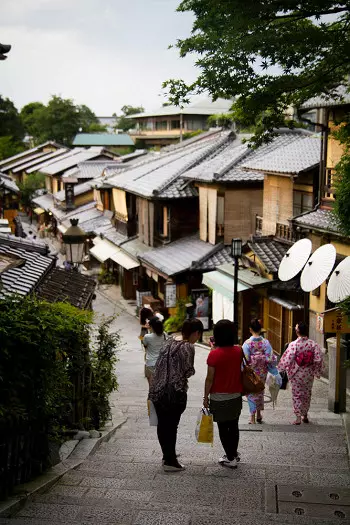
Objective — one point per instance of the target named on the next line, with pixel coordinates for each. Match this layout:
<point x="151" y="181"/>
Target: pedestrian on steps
<point x="259" y="355"/>
<point x="224" y="386"/>
<point x="168" y="389"/>
<point x="303" y="361"/>
<point x="153" y="343"/>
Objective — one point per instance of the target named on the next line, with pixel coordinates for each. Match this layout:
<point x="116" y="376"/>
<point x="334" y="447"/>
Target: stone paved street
<point x="122" y="483"/>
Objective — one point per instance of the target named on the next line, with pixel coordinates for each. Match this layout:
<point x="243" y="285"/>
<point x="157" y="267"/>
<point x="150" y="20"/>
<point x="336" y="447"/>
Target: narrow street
<point x="287" y="474"/>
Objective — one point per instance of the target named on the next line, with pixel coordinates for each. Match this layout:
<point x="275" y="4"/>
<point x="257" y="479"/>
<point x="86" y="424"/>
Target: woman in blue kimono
<point x="259" y="355"/>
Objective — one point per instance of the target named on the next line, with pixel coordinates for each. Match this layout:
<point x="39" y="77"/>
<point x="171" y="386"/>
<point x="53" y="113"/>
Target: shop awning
<point x="39" y="211"/>
<point x="103" y="250"/>
<point x="222" y="283"/>
<point x="124" y="260"/>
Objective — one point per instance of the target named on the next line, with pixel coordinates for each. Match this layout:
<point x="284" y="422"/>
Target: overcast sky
<point x="102" y="53"/>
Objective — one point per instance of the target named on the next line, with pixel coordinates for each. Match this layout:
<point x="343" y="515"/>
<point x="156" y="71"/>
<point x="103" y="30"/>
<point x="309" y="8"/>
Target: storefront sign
<point x="69" y="191"/>
<point x="336" y="321"/>
<point x="319" y="323"/>
<point x="170" y="295"/>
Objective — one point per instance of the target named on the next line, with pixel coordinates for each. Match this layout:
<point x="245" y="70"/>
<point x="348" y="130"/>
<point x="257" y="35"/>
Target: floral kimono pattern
<point x="302" y="361"/>
<point x="259" y="355"/>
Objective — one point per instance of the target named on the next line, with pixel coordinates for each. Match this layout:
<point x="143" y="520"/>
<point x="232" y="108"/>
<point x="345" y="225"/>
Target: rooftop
<point x="103" y="139"/>
<point x="202" y="107"/>
<point x="79" y="189"/>
<point x="339" y="97"/>
<point x="319" y="219"/>
<point x="73" y="158"/>
<point x="26" y="153"/>
<point x="269" y="251"/>
<point x="300" y="155"/>
<point x="8" y="183"/>
<point x="67" y="286"/>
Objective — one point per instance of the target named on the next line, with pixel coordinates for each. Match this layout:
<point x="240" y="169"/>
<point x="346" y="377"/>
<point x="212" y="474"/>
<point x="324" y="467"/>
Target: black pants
<point x="229" y="437"/>
<point x="168" y="421"/>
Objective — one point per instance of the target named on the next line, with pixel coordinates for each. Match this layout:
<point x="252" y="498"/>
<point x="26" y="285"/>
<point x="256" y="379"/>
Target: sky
<point x="102" y="53"/>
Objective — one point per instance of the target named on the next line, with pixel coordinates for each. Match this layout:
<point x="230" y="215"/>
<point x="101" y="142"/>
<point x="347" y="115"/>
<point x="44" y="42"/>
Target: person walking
<point x="259" y="355"/>
<point x="303" y="361"/>
<point x="168" y="389"/>
<point x="223" y="388"/>
<point x="146" y="313"/>
<point x="153" y="343"/>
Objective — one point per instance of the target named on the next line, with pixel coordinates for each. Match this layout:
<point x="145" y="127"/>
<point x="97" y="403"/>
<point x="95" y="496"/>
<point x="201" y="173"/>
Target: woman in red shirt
<point x="224" y="386"/>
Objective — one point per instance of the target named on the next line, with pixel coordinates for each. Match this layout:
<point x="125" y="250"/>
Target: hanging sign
<point x="170" y="295"/>
<point x="336" y="321"/>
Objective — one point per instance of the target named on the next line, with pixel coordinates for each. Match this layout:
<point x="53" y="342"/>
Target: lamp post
<point x="236" y="252"/>
<point x="74" y="239"/>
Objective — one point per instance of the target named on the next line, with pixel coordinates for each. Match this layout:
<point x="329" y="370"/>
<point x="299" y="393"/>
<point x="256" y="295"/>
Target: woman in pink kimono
<point x="259" y="355"/>
<point x="303" y="362"/>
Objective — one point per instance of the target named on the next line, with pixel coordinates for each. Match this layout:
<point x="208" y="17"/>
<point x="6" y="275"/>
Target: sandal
<point x="305" y="420"/>
<point x="259" y="420"/>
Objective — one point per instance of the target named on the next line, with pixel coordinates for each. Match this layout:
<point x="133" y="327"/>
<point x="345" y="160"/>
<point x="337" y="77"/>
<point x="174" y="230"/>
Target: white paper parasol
<point x="318" y="267"/>
<point x="294" y="260"/>
<point x="338" y="287"/>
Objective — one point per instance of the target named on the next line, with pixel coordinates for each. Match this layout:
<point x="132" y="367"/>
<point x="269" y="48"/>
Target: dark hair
<point x="156" y="325"/>
<point x="225" y="333"/>
<point x="190" y="326"/>
<point x="145" y="314"/>
<point x="303" y="329"/>
<point x="255" y="325"/>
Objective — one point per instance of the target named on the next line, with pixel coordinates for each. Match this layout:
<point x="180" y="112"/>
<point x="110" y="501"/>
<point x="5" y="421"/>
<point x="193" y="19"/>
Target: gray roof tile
<point x="8" y="183"/>
<point x="23" y="280"/>
<point x="300" y="155"/>
<point x="79" y="189"/>
<point x="322" y="219"/>
<point x="269" y="251"/>
<point x="220" y="257"/>
<point x="179" y="255"/>
<point x="341" y="96"/>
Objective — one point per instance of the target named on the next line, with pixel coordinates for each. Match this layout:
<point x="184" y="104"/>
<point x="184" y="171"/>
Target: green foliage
<point x="223" y="120"/>
<point x="175" y="322"/>
<point x="104" y="380"/>
<point x="60" y="120"/>
<point x="10" y="121"/>
<point x="265" y="55"/>
<point x="95" y="127"/>
<point x="106" y="277"/>
<point x="32" y="183"/>
<point x="342" y="178"/>
<point x="10" y="146"/>
<point x="124" y="123"/>
<point x="191" y="134"/>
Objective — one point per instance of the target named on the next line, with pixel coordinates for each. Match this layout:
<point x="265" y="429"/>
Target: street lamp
<point x="236" y="252"/>
<point x="74" y="239"/>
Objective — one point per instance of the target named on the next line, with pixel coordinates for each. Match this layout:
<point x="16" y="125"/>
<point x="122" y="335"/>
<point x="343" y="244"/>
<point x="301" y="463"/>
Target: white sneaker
<point x="224" y="458"/>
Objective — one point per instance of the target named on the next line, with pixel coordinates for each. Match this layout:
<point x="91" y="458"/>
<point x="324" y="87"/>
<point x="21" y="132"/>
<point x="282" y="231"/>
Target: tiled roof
<point x="322" y="219"/>
<point x="72" y="160"/>
<point x="48" y="162"/>
<point x="102" y="139"/>
<point x="269" y="251"/>
<point x="203" y="107"/>
<point x="220" y="257"/>
<point x="179" y="255"/>
<point x="62" y="286"/>
<point x="33" y="164"/>
<point x="152" y="177"/>
<point x="24" y="279"/>
<point x="8" y="183"/>
<point x="180" y="188"/>
<point x="91" y="169"/>
<point x="20" y="243"/>
<point x="238" y="174"/>
<point x="79" y="189"/>
<point x="44" y="201"/>
<point x="300" y="155"/>
<point x="26" y="153"/>
<point x="135" y="247"/>
<point x="342" y="98"/>
<point x="115" y="237"/>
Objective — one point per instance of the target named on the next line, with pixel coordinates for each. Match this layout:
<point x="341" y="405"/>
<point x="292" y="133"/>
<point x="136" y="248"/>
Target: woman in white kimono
<point x="303" y="361"/>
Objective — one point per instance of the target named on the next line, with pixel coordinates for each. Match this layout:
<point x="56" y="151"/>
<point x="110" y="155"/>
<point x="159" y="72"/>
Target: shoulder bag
<point x="252" y="384"/>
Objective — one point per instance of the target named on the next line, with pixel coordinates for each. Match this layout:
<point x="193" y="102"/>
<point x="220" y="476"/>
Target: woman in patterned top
<point x="259" y="355"/>
<point x="168" y="390"/>
<point x="303" y="361"/>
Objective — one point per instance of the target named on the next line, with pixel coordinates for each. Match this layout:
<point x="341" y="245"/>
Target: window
<point x="194" y="125"/>
<point x="302" y="202"/>
<point x="161" y="125"/>
<point x="175" y="124"/>
<point x="163" y="218"/>
<point x="329" y="184"/>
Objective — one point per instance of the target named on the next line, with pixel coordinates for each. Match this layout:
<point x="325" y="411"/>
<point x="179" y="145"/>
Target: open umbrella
<point x="318" y="267"/>
<point x="294" y="260"/>
<point x="338" y="287"/>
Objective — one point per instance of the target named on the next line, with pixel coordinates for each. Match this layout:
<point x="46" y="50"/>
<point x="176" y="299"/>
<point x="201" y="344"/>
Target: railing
<point x="258" y="224"/>
<point x="283" y="231"/>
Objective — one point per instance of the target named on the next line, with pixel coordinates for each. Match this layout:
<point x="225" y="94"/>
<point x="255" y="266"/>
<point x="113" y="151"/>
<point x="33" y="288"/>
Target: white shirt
<point x="153" y="344"/>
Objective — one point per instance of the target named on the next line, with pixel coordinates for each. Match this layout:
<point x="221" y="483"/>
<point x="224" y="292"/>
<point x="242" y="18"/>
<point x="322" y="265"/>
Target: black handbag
<point x="284" y="377"/>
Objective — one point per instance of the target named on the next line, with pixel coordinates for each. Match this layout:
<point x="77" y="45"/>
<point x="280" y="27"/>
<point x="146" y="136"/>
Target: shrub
<point x="175" y="322"/>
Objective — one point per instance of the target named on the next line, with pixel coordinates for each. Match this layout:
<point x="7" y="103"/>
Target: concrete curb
<point x="346" y="420"/>
<point x="85" y="447"/>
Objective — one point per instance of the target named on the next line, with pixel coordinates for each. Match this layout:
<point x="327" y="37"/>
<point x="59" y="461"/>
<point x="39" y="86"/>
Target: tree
<point x="268" y="54"/>
<point x="124" y="123"/>
<point x="32" y="183"/>
<point x="342" y="178"/>
<point x="11" y="129"/>
<point x="60" y="120"/>
<point x="29" y="117"/>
